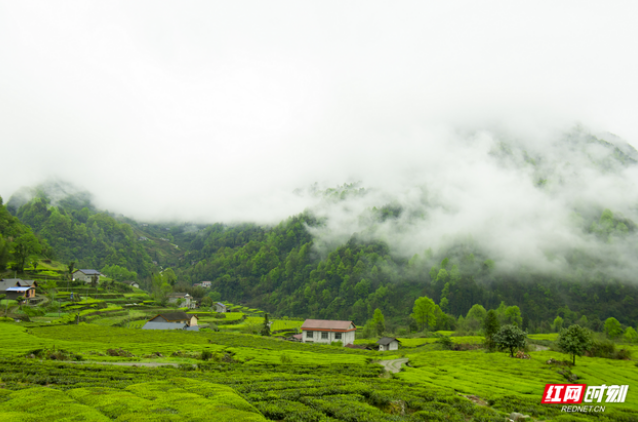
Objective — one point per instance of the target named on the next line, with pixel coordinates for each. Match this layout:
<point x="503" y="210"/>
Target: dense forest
<point x="291" y="269"/>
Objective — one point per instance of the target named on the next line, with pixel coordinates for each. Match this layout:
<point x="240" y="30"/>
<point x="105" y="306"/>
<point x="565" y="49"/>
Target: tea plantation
<point x="100" y="372"/>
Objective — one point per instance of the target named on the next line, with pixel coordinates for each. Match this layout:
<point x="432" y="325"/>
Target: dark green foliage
<point x="574" y="340"/>
<point x="490" y="329"/>
<point x="511" y="338"/>
<point x="92" y="240"/>
<point x="265" y="329"/>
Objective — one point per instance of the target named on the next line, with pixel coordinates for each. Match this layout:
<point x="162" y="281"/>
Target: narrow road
<point x="393" y="365"/>
<point x="147" y="364"/>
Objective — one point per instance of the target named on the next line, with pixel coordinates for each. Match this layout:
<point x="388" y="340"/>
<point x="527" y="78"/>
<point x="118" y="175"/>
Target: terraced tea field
<point x="281" y="380"/>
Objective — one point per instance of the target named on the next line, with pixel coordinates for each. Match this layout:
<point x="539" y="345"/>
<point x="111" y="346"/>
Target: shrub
<point x="446" y="342"/>
<point x="602" y="349"/>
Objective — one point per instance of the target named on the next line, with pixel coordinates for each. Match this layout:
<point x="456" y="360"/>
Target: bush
<point x="446" y="342"/>
<point x="602" y="349"/>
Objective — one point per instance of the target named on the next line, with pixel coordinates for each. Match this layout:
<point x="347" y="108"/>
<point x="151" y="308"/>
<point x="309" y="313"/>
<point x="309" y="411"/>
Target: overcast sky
<point x="218" y="110"/>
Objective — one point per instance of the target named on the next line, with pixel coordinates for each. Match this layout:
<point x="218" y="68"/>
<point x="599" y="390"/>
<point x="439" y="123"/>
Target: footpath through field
<point x="393" y="365"/>
<point x="147" y="364"/>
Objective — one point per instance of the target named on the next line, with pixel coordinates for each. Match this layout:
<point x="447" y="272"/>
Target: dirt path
<point x="393" y="365"/>
<point x="146" y="364"/>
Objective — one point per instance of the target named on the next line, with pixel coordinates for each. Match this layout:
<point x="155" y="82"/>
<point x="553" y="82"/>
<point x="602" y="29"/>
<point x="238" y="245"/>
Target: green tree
<point x="4" y="252"/>
<point x="630" y="335"/>
<point x="169" y="276"/>
<point x="265" y="329"/>
<point x="513" y="316"/>
<point x="423" y="312"/>
<point x="24" y="247"/>
<point x="379" y="322"/>
<point x="490" y="328"/>
<point x="94" y="280"/>
<point x="70" y="267"/>
<point x="160" y="288"/>
<point x="477" y="312"/>
<point x="574" y="340"/>
<point x="510" y="337"/>
<point x="558" y="324"/>
<point x="613" y="328"/>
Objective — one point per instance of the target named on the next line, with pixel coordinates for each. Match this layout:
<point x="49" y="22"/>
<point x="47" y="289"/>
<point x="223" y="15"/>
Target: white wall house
<point x="172" y="321"/>
<point x="186" y="299"/>
<point x="328" y="331"/>
<point x="86" y="275"/>
<point x="220" y="307"/>
<point x="388" y="343"/>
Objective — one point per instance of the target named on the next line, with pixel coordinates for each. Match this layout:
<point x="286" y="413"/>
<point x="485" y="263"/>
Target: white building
<point x="220" y="307"/>
<point x="388" y="343"/>
<point x="184" y="298"/>
<point x="327" y="331"/>
<point x="172" y="321"/>
<point x="87" y="275"/>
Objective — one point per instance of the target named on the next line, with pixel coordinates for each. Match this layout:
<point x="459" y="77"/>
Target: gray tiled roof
<point x="90" y="272"/>
<point x="386" y="340"/>
<point x="175" y="316"/>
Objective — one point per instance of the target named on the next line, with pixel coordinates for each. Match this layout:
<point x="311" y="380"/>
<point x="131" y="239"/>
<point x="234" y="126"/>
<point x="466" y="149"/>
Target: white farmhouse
<point x="184" y="298"/>
<point x="87" y="275"/>
<point x="327" y="331"/>
<point x="172" y="321"/>
<point x="220" y="307"/>
<point x="388" y="343"/>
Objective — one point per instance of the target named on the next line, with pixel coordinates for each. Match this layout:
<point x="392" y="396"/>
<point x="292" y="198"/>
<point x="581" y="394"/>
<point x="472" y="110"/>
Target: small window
<point x="324" y="335"/>
<point x="337" y="336"/>
<point x="310" y="334"/>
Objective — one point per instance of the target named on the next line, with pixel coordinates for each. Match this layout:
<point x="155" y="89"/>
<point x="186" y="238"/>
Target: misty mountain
<point x="547" y="226"/>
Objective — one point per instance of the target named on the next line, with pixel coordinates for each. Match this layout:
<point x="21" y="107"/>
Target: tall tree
<point x="24" y="247"/>
<point x="490" y="328"/>
<point x="575" y="340"/>
<point x="379" y="321"/>
<point x="423" y="312"/>
<point x="613" y="328"/>
<point x="4" y="252"/>
<point x="265" y="329"/>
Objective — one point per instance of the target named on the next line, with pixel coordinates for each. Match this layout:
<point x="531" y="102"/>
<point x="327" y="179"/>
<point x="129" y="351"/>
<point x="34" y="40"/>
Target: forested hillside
<point x="361" y="249"/>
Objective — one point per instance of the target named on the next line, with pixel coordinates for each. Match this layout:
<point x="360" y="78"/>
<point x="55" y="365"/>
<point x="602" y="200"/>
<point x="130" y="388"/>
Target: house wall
<point x="79" y="275"/>
<point x="346" y="338"/>
<point x="220" y="309"/>
<point x="394" y="345"/>
<point x="193" y="322"/>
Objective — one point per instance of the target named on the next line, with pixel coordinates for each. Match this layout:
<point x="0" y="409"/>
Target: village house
<point x="388" y="343"/>
<point x="206" y="284"/>
<point x="86" y="275"/>
<point x="221" y="308"/>
<point x="15" y="288"/>
<point x="184" y="298"/>
<point x="132" y="284"/>
<point x="172" y="321"/>
<point x="327" y="331"/>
